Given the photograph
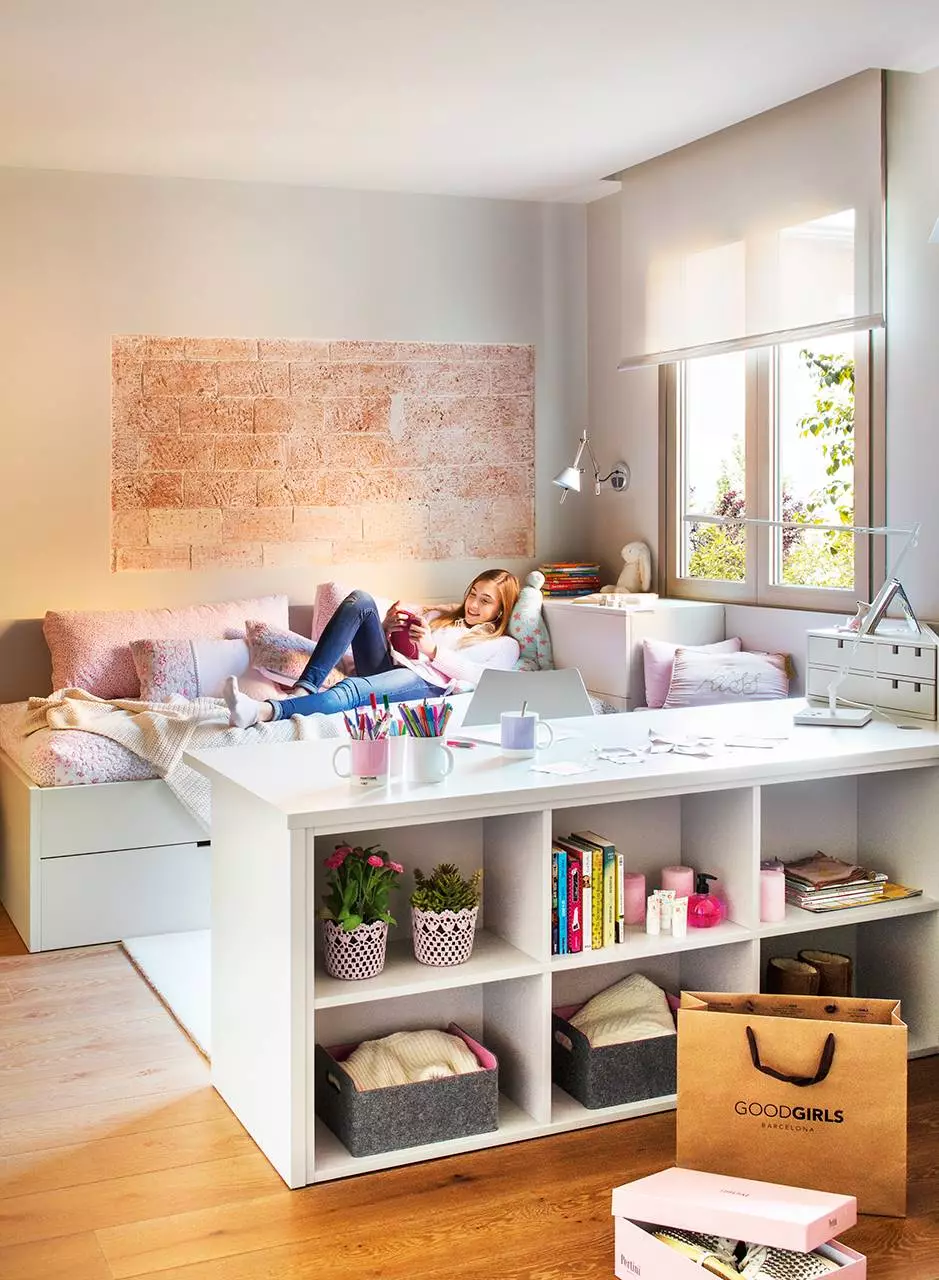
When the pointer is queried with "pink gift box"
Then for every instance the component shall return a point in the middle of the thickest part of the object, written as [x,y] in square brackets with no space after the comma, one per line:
[739,1208]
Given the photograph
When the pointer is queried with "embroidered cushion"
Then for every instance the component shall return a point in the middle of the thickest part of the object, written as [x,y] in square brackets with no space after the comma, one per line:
[279,655]
[658,657]
[92,650]
[701,679]
[527,626]
[195,669]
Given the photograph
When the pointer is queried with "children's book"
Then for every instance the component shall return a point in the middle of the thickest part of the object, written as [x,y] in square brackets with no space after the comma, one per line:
[554,903]
[575,920]
[608,849]
[562,901]
[576,858]
[620,921]
[595,855]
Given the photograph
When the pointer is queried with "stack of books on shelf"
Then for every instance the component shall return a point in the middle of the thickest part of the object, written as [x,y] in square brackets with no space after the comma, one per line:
[822,883]
[586,894]
[570,578]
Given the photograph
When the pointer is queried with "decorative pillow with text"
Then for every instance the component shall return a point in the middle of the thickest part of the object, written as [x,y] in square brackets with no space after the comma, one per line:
[702,679]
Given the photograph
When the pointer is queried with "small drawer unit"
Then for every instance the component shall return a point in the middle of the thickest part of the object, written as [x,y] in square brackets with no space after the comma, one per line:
[895,670]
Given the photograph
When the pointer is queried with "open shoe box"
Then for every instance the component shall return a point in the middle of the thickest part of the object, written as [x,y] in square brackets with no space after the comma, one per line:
[739,1208]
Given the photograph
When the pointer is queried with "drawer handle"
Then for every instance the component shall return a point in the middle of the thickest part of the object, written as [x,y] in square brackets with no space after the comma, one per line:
[895,684]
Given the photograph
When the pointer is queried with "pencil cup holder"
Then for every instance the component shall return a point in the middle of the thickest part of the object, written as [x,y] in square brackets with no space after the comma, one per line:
[397,757]
[428,760]
[368,761]
[521,734]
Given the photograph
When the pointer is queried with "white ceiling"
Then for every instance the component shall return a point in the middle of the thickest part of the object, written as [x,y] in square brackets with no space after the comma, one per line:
[519,98]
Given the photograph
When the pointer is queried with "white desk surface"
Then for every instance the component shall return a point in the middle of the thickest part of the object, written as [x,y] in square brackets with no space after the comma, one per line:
[297,777]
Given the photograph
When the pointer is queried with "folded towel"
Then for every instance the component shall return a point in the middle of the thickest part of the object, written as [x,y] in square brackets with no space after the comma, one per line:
[408,1056]
[634,1009]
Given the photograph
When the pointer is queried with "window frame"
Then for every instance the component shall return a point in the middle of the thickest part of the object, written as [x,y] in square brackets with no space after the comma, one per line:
[762,454]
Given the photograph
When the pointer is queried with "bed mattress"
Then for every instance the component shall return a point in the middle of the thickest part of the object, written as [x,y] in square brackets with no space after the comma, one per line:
[72,758]
[66,757]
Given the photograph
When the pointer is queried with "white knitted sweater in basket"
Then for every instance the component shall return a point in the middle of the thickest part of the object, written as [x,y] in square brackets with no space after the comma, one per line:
[408,1056]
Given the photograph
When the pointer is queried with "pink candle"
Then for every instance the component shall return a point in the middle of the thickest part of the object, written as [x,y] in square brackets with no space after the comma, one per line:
[634,897]
[772,894]
[681,879]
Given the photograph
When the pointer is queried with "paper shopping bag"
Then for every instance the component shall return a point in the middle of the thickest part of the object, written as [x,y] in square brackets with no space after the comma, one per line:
[807,1091]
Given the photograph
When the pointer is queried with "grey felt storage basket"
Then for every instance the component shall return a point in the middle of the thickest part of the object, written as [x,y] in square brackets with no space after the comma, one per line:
[373,1120]
[612,1074]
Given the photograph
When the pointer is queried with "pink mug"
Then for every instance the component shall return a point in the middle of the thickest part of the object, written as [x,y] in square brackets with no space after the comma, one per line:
[368,761]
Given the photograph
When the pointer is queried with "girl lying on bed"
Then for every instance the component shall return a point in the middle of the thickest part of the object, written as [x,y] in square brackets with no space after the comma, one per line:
[449,648]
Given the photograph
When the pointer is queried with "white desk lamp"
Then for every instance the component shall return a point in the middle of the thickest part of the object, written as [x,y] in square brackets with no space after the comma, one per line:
[868,621]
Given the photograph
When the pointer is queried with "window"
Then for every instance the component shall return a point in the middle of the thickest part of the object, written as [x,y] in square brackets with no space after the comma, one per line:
[776,433]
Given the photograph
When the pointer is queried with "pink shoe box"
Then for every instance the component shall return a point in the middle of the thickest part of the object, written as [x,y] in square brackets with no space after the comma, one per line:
[739,1208]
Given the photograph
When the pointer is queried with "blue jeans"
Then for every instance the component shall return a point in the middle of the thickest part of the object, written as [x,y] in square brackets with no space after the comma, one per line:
[355,622]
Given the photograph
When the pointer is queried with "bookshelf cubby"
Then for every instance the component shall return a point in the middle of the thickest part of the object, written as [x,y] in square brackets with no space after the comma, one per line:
[270,836]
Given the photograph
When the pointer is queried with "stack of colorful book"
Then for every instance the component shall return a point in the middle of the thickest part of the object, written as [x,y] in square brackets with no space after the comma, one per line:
[586,893]
[570,578]
[822,883]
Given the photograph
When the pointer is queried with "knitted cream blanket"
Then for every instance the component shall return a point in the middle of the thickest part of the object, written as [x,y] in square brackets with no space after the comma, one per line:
[408,1056]
[160,732]
[634,1009]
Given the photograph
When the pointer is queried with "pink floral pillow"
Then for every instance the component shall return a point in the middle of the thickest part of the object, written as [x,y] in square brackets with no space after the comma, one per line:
[195,669]
[279,655]
[702,679]
[92,650]
[658,657]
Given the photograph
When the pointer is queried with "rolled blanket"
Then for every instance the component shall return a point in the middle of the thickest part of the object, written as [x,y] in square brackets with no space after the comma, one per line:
[634,1009]
[408,1056]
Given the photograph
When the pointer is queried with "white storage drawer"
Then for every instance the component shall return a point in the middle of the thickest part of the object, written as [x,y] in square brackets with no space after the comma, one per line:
[888,657]
[112,815]
[103,897]
[913,697]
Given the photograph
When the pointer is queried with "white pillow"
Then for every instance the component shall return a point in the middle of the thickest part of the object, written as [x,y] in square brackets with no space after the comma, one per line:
[702,679]
[658,656]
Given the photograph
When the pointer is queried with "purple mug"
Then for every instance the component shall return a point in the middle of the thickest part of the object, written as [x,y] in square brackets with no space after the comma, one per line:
[519,733]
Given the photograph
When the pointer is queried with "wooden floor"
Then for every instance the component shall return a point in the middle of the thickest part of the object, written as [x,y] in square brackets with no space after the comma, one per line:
[117,1159]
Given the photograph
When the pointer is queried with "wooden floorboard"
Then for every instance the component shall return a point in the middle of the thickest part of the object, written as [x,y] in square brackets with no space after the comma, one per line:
[118,1160]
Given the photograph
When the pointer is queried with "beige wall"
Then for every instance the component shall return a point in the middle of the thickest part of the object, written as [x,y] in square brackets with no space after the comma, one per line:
[913,327]
[84,256]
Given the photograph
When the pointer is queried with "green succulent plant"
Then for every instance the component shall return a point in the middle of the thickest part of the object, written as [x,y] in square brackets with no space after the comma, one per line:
[445,889]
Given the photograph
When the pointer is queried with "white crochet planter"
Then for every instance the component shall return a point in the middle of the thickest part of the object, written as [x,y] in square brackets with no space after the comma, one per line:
[443,937]
[356,954]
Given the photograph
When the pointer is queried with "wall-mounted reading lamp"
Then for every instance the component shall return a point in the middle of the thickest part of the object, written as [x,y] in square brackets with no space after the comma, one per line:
[569,478]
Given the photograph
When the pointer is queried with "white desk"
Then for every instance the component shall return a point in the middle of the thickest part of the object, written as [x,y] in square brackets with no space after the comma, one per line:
[870,794]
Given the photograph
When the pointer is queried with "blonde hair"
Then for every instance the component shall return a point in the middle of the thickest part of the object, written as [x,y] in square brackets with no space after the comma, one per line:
[506,588]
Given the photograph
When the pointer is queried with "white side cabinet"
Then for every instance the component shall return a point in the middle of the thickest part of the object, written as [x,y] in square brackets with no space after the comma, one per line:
[605,644]
[869,795]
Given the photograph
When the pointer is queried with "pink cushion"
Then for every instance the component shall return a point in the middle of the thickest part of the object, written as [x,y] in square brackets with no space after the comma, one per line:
[329,596]
[195,669]
[657,659]
[701,679]
[279,655]
[92,650]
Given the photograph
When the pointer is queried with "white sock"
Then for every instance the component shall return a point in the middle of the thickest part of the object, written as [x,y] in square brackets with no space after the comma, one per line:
[242,710]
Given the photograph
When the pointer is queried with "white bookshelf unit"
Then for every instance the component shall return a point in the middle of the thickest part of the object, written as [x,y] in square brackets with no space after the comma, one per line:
[869,794]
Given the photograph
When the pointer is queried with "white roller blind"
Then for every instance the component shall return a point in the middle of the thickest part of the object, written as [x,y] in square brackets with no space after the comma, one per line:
[768,231]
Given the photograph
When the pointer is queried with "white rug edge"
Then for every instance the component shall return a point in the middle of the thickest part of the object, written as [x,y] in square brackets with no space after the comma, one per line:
[177,968]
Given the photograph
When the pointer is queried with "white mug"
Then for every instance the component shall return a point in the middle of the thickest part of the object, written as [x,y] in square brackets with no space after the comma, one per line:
[428,760]
[519,733]
[397,756]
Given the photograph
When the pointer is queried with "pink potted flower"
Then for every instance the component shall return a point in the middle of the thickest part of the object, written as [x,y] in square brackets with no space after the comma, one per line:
[355,911]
